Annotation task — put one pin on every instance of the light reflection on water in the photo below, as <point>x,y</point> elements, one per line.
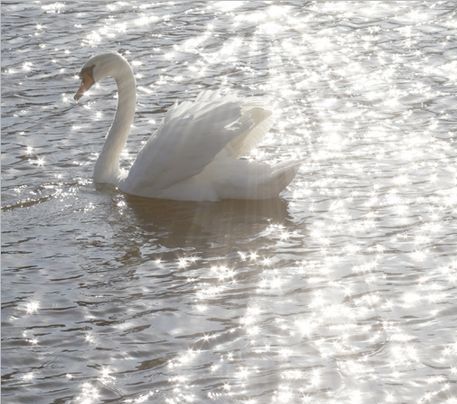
<point>344,290</point>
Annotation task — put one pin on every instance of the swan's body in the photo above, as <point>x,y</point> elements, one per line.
<point>195,153</point>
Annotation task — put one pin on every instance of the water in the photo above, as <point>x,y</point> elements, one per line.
<point>344,290</point>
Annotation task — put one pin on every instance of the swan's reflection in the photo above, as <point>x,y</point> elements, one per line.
<point>225,224</point>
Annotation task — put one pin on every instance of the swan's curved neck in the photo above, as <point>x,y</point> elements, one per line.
<point>107,169</point>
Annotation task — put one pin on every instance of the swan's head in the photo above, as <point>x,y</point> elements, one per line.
<point>98,67</point>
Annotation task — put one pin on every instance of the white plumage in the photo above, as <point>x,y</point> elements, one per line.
<point>195,153</point>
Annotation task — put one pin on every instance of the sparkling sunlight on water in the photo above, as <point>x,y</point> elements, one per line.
<point>342,291</point>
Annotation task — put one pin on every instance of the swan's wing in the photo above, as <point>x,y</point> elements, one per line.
<point>262,119</point>
<point>189,138</point>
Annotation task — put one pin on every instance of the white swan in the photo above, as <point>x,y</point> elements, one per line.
<point>195,153</point>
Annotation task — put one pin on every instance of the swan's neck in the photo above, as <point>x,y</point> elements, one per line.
<point>107,170</point>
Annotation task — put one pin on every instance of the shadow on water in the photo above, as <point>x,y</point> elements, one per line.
<point>226,224</point>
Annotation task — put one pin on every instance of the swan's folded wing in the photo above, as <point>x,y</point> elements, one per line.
<point>261,119</point>
<point>190,137</point>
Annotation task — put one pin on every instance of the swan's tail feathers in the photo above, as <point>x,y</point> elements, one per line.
<point>280,177</point>
<point>258,121</point>
<point>243,179</point>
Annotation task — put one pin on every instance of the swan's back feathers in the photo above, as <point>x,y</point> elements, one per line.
<point>190,137</point>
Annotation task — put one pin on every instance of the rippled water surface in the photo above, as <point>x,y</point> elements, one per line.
<point>341,291</point>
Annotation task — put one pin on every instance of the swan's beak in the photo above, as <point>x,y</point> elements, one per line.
<point>81,90</point>
<point>87,80</point>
